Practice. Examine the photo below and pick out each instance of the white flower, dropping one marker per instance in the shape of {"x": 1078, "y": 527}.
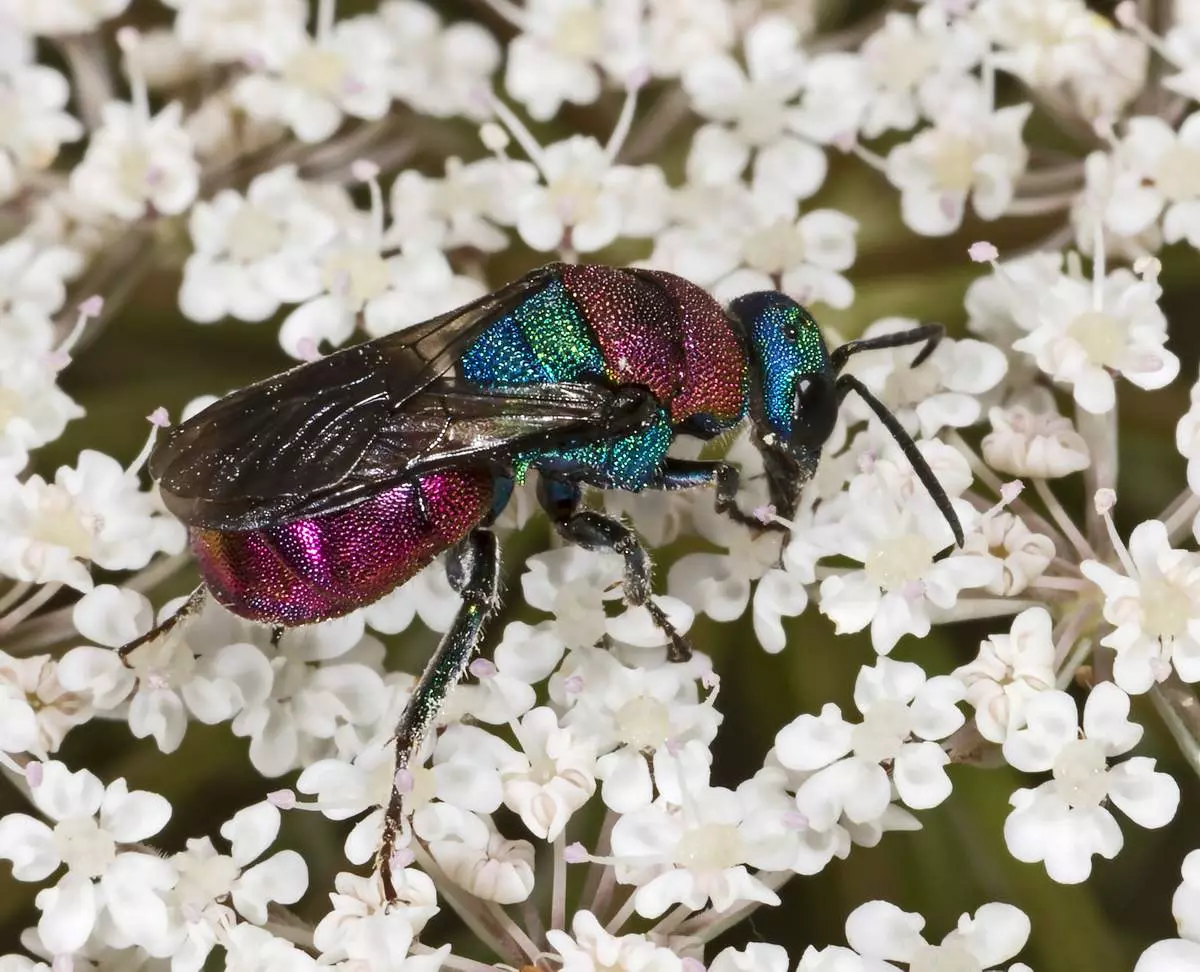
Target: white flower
{"x": 993, "y": 935}
{"x": 1087, "y": 330}
{"x": 1187, "y": 438}
{"x": 903, "y": 714}
{"x": 1154, "y": 608}
{"x": 1168, "y": 159}
{"x": 53, "y": 17}
{"x": 755, "y": 957}
{"x": 895, "y": 538}
{"x": 589, "y": 948}
{"x": 552, "y": 778}
{"x": 309, "y": 83}
{"x": 462, "y": 208}
{"x": 211, "y": 883}
{"x": 93, "y": 512}
{"x": 720, "y": 584}
{"x": 32, "y": 102}
{"x": 1043, "y": 445}
{"x": 976, "y": 154}
{"x": 166, "y": 680}
{"x": 912, "y": 62}
{"x": 249, "y": 948}
{"x": 327, "y": 684}
{"x": 439, "y": 70}
{"x": 635, "y": 716}
{"x": 753, "y": 111}
{"x": 1041, "y": 43}
{"x": 555, "y": 57}
{"x": 232, "y": 30}
{"x": 943, "y": 391}
{"x": 102, "y": 879}
{"x": 690, "y": 846}
{"x": 585, "y": 201}
{"x": 362, "y": 928}
{"x": 475, "y": 856}
{"x": 33, "y": 409}
{"x": 36, "y": 710}
{"x": 1063, "y": 822}
{"x": 135, "y": 163}
{"x": 1010, "y": 670}
{"x": 255, "y": 252}
{"x": 33, "y": 288}
{"x": 1185, "y": 905}
{"x": 1026, "y": 554}
{"x": 1171, "y": 955}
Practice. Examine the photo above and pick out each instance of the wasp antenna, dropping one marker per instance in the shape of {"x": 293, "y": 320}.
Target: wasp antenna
{"x": 847, "y": 384}
{"x": 931, "y": 334}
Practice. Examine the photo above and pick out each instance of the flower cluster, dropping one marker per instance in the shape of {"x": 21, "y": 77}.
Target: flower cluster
{"x": 356, "y": 175}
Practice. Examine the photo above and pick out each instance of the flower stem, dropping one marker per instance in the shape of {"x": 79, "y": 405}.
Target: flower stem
{"x": 1180, "y": 711}
{"x": 558, "y": 897}
{"x": 19, "y": 614}
{"x": 1065, "y": 523}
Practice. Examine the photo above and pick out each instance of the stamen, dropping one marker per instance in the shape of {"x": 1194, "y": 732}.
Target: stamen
{"x": 510, "y": 12}
{"x": 88, "y": 309}
{"x": 1104, "y": 500}
{"x": 522, "y": 135}
{"x": 483, "y": 669}
{"x": 326, "y": 17}
{"x": 128, "y": 39}
{"x": 620, "y": 132}
{"x": 1126, "y": 14}
{"x": 158, "y": 420}
{"x": 283, "y": 799}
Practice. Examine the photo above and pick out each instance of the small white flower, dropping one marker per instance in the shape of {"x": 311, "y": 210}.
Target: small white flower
{"x": 55, "y": 17}
{"x": 92, "y": 512}
{"x": 32, "y": 102}
{"x": 231, "y": 30}
{"x": 1010, "y": 670}
{"x": 1063, "y": 822}
{"x": 89, "y": 823}
{"x": 310, "y": 83}
{"x": 475, "y": 856}
{"x": 1185, "y": 905}
{"x": 552, "y": 777}
{"x": 1043, "y": 445}
{"x": 589, "y": 948}
{"x": 135, "y": 163}
{"x": 1087, "y": 330}
{"x": 691, "y": 846}
{"x": 753, "y": 111}
{"x": 249, "y": 948}
{"x": 362, "y": 928}
{"x": 895, "y": 538}
{"x": 994, "y": 934}
{"x": 439, "y": 70}
{"x": 1025, "y": 555}
{"x": 33, "y": 409}
{"x": 903, "y": 715}
{"x": 1187, "y": 438}
{"x": 943, "y": 391}
{"x": 975, "y": 154}
{"x": 213, "y": 886}
{"x": 256, "y": 252}
{"x": 1154, "y": 609}
{"x": 755, "y": 957}
{"x": 36, "y": 710}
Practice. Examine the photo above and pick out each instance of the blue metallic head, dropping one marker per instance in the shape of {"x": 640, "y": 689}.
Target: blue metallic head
{"x": 796, "y": 401}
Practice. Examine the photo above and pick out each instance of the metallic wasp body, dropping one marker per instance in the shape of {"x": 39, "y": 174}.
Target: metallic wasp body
{"x": 317, "y": 491}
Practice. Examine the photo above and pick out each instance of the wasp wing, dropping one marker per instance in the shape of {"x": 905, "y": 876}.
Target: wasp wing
{"x": 451, "y": 423}
{"x": 307, "y": 429}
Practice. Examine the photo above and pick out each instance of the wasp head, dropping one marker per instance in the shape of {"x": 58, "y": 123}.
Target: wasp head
{"x": 794, "y": 401}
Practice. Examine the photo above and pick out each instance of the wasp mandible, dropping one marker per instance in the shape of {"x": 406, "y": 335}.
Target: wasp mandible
{"x": 318, "y": 491}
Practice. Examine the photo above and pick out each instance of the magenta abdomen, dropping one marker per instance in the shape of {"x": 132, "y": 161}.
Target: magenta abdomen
{"x": 312, "y": 570}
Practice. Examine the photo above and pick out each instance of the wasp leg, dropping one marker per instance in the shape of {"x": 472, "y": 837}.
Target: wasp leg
{"x": 474, "y": 572}
{"x": 723, "y": 478}
{"x": 595, "y": 531}
{"x": 189, "y": 607}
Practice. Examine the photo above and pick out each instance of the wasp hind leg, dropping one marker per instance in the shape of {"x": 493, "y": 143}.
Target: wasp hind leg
{"x": 595, "y": 531}
{"x": 192, "y": 606}
{"x": 723, "y": 479}
{"x": 474, "y": 572}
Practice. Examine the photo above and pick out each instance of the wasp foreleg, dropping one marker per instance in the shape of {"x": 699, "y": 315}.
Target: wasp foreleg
{"x": 594, "y": 531}
{"x": 474, "y": 572}
{"x": 723, "y": 478}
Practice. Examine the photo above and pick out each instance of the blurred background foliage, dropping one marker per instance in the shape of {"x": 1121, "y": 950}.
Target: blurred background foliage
{"x": 149, "y": 355}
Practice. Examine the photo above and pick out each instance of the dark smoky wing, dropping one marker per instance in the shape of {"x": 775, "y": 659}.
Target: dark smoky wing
{"x": 452, "y": 424}
{"x": 252, "y": 458}
{"x": 301, "y": 431}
